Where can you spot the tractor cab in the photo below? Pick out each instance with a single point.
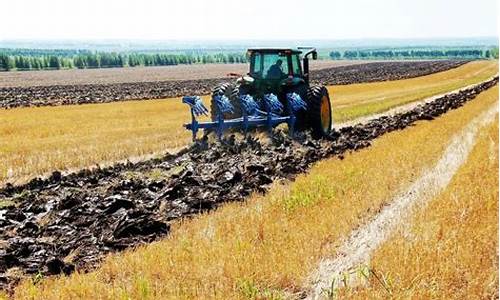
(274, 64)
(272, 69)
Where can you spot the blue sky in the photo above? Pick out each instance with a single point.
(251, 19)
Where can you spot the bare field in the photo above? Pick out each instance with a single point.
(137, 74)
(50, 95)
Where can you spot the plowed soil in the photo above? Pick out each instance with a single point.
(55, 225)
(21, 96)
(139, 74)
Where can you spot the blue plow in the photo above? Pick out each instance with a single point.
(269, 114)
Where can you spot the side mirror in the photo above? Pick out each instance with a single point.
(315, 55)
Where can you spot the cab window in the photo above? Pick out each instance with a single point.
(256, 72)
(269, 66)
(296, 65)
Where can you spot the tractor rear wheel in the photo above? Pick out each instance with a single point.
(319, 111)
(225, 89)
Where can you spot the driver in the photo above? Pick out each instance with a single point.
(275, 71)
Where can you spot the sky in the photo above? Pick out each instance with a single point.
(251, 19)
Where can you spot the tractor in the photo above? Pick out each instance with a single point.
(276, 90)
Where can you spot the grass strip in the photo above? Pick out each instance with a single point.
(449, 250)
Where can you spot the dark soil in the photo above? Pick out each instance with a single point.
(11, 97)
(382, 71)
(63, 223)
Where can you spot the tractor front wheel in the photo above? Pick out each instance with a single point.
(319, 111)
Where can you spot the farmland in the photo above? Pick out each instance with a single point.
(137, 74)
(98, 93)
(357, 100)
(261, 150)
(269, 245)
(141, 212)
(92, 134)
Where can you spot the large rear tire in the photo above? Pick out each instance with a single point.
(319, 111)
(228, 90)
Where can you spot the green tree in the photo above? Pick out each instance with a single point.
(335, 55)
(494, 53)
(54, 62)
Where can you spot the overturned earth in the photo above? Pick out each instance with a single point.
(49, 95)
(62, 223)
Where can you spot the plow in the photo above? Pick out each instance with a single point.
(276, 90)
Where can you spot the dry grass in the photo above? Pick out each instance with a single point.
(35, 141)
(38, 140)
(267, 246)
(352, 101)
(450, 249)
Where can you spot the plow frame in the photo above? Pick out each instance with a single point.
(252, 116)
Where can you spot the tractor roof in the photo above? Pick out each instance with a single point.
(274, 50)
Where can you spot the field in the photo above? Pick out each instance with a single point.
(139, 214)
(36, 141)
(136, 74)
(49, 95)
(355, 100)
(449, 251)
(270, 245)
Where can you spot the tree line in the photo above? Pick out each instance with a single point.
(415, 54)
(50, 59)
(43, 52)
(18, 62)
(46, 60)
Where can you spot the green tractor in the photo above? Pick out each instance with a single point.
(275, 90)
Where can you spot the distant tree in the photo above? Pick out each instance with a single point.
(335, 55)
(79, 62)
(121, 60)
(54, 62)
(67, 63)
(133, 60)
(18, 61)
(351, 54)
(494, 53)
(4, 60)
